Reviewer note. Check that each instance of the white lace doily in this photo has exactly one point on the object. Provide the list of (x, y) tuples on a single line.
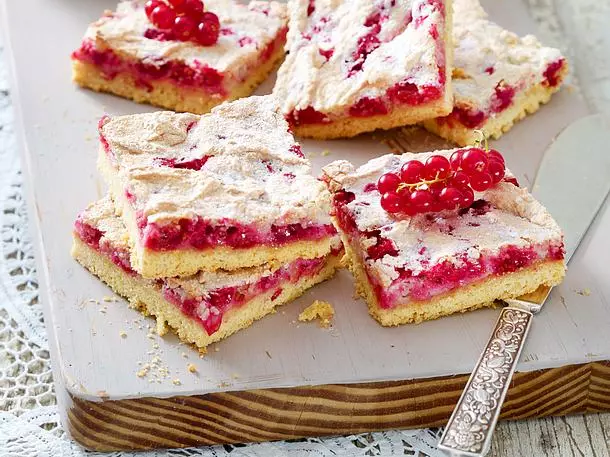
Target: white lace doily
[(29, 417)]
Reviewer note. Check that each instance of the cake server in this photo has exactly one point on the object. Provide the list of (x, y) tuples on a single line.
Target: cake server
[(578, 156)]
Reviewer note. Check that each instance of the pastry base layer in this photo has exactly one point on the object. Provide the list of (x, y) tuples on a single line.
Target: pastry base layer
[(147, 298), (186, 262), (527, 102), (165, 94), (480, 294)]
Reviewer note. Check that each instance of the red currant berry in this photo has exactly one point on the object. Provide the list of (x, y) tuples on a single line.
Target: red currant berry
[(450, 197), (388, 183), (390, 201), (436, 167), (460, 179), (193, 9), (437, 205), (436, 188), (163, 16), (184, 27), (422, 200), (206, 35), (474, 161), (495, 155), (405, 202), (411, 172), (150, 6), (455, 160), (480, 181), (178, 5), (496, 169), (467, 197)]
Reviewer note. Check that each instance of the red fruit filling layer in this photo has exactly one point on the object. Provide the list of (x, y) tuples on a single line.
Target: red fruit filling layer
[(92, 236), (196, 75), (403, 93), (502, 99), (431, 281), (201, 234), (209, 310)]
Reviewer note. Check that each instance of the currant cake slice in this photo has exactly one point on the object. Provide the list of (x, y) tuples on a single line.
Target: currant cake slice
[(427, 237), (498, 78), (354, 66), (228, 189), (175, 55), (203, 308)]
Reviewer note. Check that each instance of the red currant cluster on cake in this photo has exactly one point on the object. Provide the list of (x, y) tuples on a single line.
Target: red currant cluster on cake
[(185, 20), (440, 183)]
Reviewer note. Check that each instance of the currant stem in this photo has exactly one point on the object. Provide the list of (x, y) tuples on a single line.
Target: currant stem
[(481, 140), (402, 185)]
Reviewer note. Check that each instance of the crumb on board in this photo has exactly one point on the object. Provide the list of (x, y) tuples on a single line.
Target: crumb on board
[(110, 299), (325, 153), (584, 292), (191, 368), (176, 382), (123, 334), (216, 349), (185, 355), (319, 309)]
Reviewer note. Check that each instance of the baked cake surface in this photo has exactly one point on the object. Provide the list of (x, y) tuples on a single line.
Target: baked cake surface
[(355, 65), (498, 77), (428, 265), (203, 308), (229, 189), (125, 54)]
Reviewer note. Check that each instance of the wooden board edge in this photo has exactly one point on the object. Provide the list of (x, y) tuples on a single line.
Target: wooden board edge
[(333, 409)]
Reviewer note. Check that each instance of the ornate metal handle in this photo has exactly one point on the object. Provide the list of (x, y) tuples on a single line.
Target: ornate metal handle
[(470, 428)]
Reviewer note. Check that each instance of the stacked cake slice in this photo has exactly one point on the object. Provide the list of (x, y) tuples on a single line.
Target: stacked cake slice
[(212, 220)]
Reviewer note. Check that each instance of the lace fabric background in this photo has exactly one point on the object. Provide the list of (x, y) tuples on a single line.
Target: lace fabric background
[(29, 415)]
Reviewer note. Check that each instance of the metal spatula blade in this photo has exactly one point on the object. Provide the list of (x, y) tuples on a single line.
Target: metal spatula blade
[(573, 182)]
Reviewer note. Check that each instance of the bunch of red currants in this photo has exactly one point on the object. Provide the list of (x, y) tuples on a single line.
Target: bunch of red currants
[(185, 19), (440, 183)]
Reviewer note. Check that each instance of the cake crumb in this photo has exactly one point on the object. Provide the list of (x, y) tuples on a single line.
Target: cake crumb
[(176, 382), (235, 376), (325, 153), (123, 334), (191, 368), (318, 310), (584, 292), (216, 349), (185, 355), (110, 299)]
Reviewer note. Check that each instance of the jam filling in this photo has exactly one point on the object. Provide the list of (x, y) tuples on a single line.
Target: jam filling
[(402, 93), (195, 75), (210, 309), (502, 98), (445, 276), (201, 234), (93, 238)]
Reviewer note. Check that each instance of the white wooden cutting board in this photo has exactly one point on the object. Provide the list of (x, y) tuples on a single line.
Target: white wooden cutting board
[(99, 346)]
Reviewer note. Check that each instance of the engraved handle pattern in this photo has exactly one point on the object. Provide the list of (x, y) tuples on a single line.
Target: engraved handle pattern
[(470, 428)]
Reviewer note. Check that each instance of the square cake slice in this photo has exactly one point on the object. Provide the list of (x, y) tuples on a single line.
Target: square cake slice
[(412, 265), (226, 190), (153, 58), (203, 308), (354, 66), (498, 77)]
